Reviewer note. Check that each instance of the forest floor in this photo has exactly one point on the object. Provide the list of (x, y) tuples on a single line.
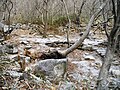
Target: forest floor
[(81, 67)]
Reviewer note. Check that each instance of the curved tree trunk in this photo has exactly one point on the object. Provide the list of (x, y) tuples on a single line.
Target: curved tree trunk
[(64, 53), (102, 79), (88, 28)]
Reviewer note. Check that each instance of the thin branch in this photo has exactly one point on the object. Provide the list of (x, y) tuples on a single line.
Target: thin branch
[(66, 9), (114, 11)]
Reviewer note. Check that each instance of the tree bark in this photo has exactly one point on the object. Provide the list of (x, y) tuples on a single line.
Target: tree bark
[(79, 13), (102, 79), (68, 31), (45, 17), (102, 83), (103, 75)]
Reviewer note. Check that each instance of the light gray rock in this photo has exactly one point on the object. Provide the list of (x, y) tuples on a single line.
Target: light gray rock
[(25, 42), (86, 68), (94, 42), (52, 68), (88, 47), (15, 74), (114, 84), (27, 59), (101, 51), (18, 25), (22, 57), (28, 47), (4, 57), (88, 57), (68, 86), (115, 73), (10, 49)]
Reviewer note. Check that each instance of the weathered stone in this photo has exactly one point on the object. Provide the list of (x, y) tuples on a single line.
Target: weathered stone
[(51, 67), (18, 25), (11, 49), (68, 86), (28, 47), (87, 47), (115, 73), (4, 57), (15, 74), (22, 57), (27, 59), (114, 84), (25, 42), (101, 51), (88, 57)]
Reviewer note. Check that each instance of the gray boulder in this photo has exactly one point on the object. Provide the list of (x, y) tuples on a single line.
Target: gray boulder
[(52, 68)]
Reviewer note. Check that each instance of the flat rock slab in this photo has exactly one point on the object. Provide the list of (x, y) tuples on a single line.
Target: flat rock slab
[(88, 57), (8, 48), (67, 86), (52, 68)]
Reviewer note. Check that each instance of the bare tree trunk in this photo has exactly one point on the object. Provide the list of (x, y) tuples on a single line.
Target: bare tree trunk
[(9, 13), (88, 28), (45, 17), (103, 75), (74, 6), (79, 13), (52, 10), (8, 5), (68, 31), (102, 79), (105, 18)]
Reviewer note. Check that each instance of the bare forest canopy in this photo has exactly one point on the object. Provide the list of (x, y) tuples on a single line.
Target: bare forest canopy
[(33, 11)]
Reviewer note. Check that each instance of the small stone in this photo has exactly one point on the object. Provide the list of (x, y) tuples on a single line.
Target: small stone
[(88, 57), (68, 86), (28, 47), (87, 47), (15, 50), (15, 57), (101, 51), (115, 73), (27, 59), (12, 51), (24, 42), (15, 74)]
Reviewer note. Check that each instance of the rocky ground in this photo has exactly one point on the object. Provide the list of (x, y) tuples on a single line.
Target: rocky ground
[(23, 69)]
